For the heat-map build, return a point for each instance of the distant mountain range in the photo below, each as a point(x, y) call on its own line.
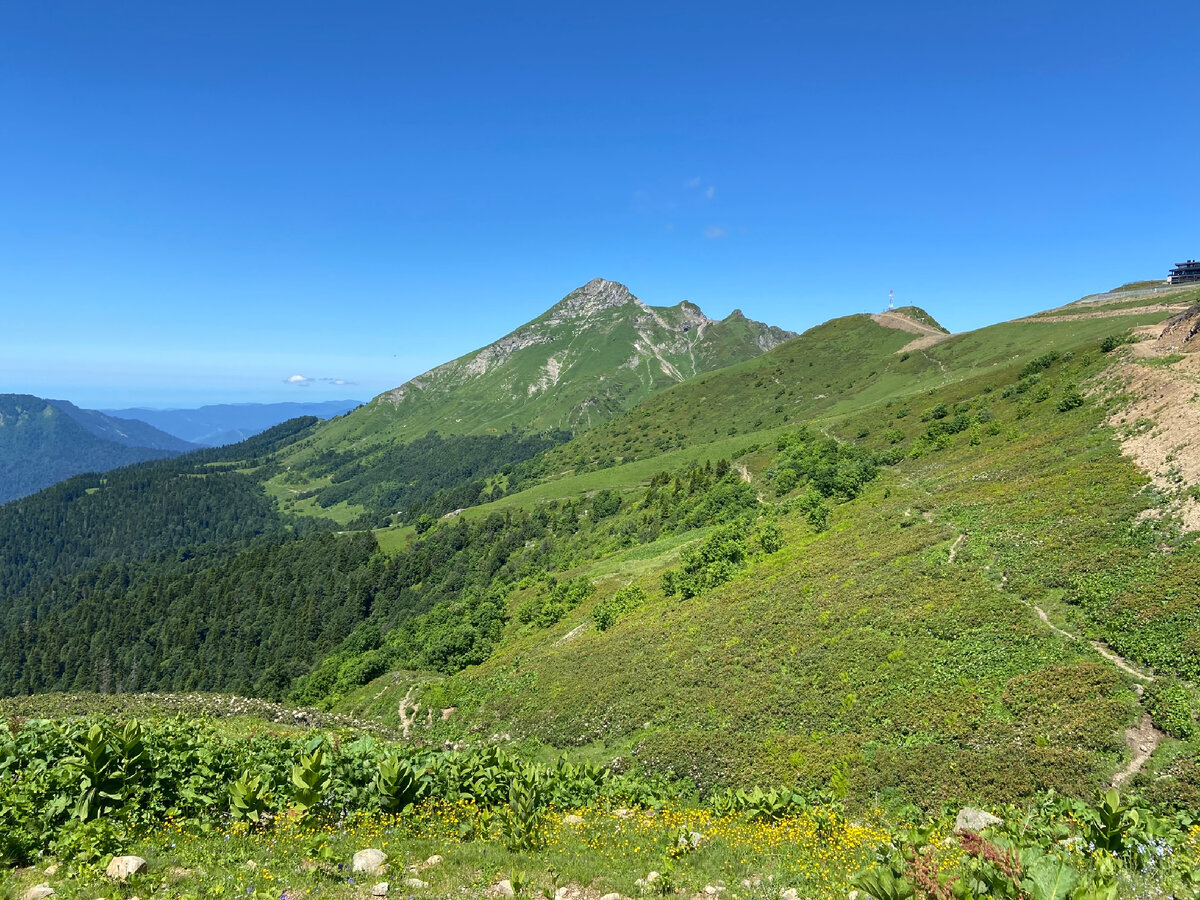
point(228, 423)
point(45, 441)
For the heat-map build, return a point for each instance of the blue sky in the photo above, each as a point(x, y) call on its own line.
point(199, 201)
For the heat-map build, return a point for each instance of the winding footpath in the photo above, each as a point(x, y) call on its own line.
point(1141, 739)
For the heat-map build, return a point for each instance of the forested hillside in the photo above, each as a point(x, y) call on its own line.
point(45, 441)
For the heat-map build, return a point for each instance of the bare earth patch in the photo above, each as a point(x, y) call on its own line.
point(1160, 427)
point(928, 334)
point(1142, 740)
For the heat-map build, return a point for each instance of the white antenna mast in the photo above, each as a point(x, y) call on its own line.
point(891, 300)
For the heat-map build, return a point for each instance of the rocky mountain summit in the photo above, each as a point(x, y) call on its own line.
point(597, 352)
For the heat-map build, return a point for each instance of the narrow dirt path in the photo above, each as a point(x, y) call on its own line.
point(1142, 740)
point(958, 542)
point(1119, 661)
point(1109, 313)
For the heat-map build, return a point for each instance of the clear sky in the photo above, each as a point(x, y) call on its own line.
point(200, 200)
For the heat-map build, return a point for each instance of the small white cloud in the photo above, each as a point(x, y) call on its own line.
point(709, 192)
point(297, 379)
point(714, 232)
point(692, 182)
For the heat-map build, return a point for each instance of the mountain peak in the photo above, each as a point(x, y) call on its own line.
point(595, 296)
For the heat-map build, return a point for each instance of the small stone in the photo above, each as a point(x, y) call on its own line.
point(853, 895)
point(121, 867)
point(52, 869)
point(572, 819)
point(752, 882)
point(415, 883)
point(38, 892)
point(613, 896)
point(433, 861)
point(562, 893)
point(971, 819)
point(381, 889)
point(711, 890)
point(505, 889)
point(370, 861)
point(789, 894)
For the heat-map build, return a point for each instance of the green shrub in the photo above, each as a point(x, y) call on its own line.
point(623, 601)
point(1171, 706)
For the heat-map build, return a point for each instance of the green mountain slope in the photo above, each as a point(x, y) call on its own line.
point(45, 441)
point(597, 352)
point(853, 590)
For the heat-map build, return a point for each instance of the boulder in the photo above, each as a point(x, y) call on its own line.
point(370, 861)
point(505, 889)
point(121, 867)
point(38, 892)
point(971, 819)
point(381, 889)
point(433, 861)
point(789, 894)
point(613, 896)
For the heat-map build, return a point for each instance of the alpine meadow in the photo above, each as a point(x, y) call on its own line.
point(637, 602)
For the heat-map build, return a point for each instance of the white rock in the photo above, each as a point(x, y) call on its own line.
point(38, 892)
point(121, 867)
point(572, 819)
point(622, 813)
point(380, 890)
point(711, 890)
point(433, 861)
point(613, 896)
point(505, 889)
point(416, 884)
point(971, 819)
point(562, 893)
point(853, 895)
point(789, 894)
point(52, 869)
point(752, 882)
point(370, 861)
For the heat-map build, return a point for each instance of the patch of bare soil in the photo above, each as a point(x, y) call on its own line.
point(1160, 427)
point(928, 334)
point(1142, 740)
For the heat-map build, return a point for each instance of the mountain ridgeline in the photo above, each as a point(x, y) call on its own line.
point(597, 352)
point(44, 441)
point(875, 554)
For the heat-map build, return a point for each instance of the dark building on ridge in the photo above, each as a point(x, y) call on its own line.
point(1185, 272)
